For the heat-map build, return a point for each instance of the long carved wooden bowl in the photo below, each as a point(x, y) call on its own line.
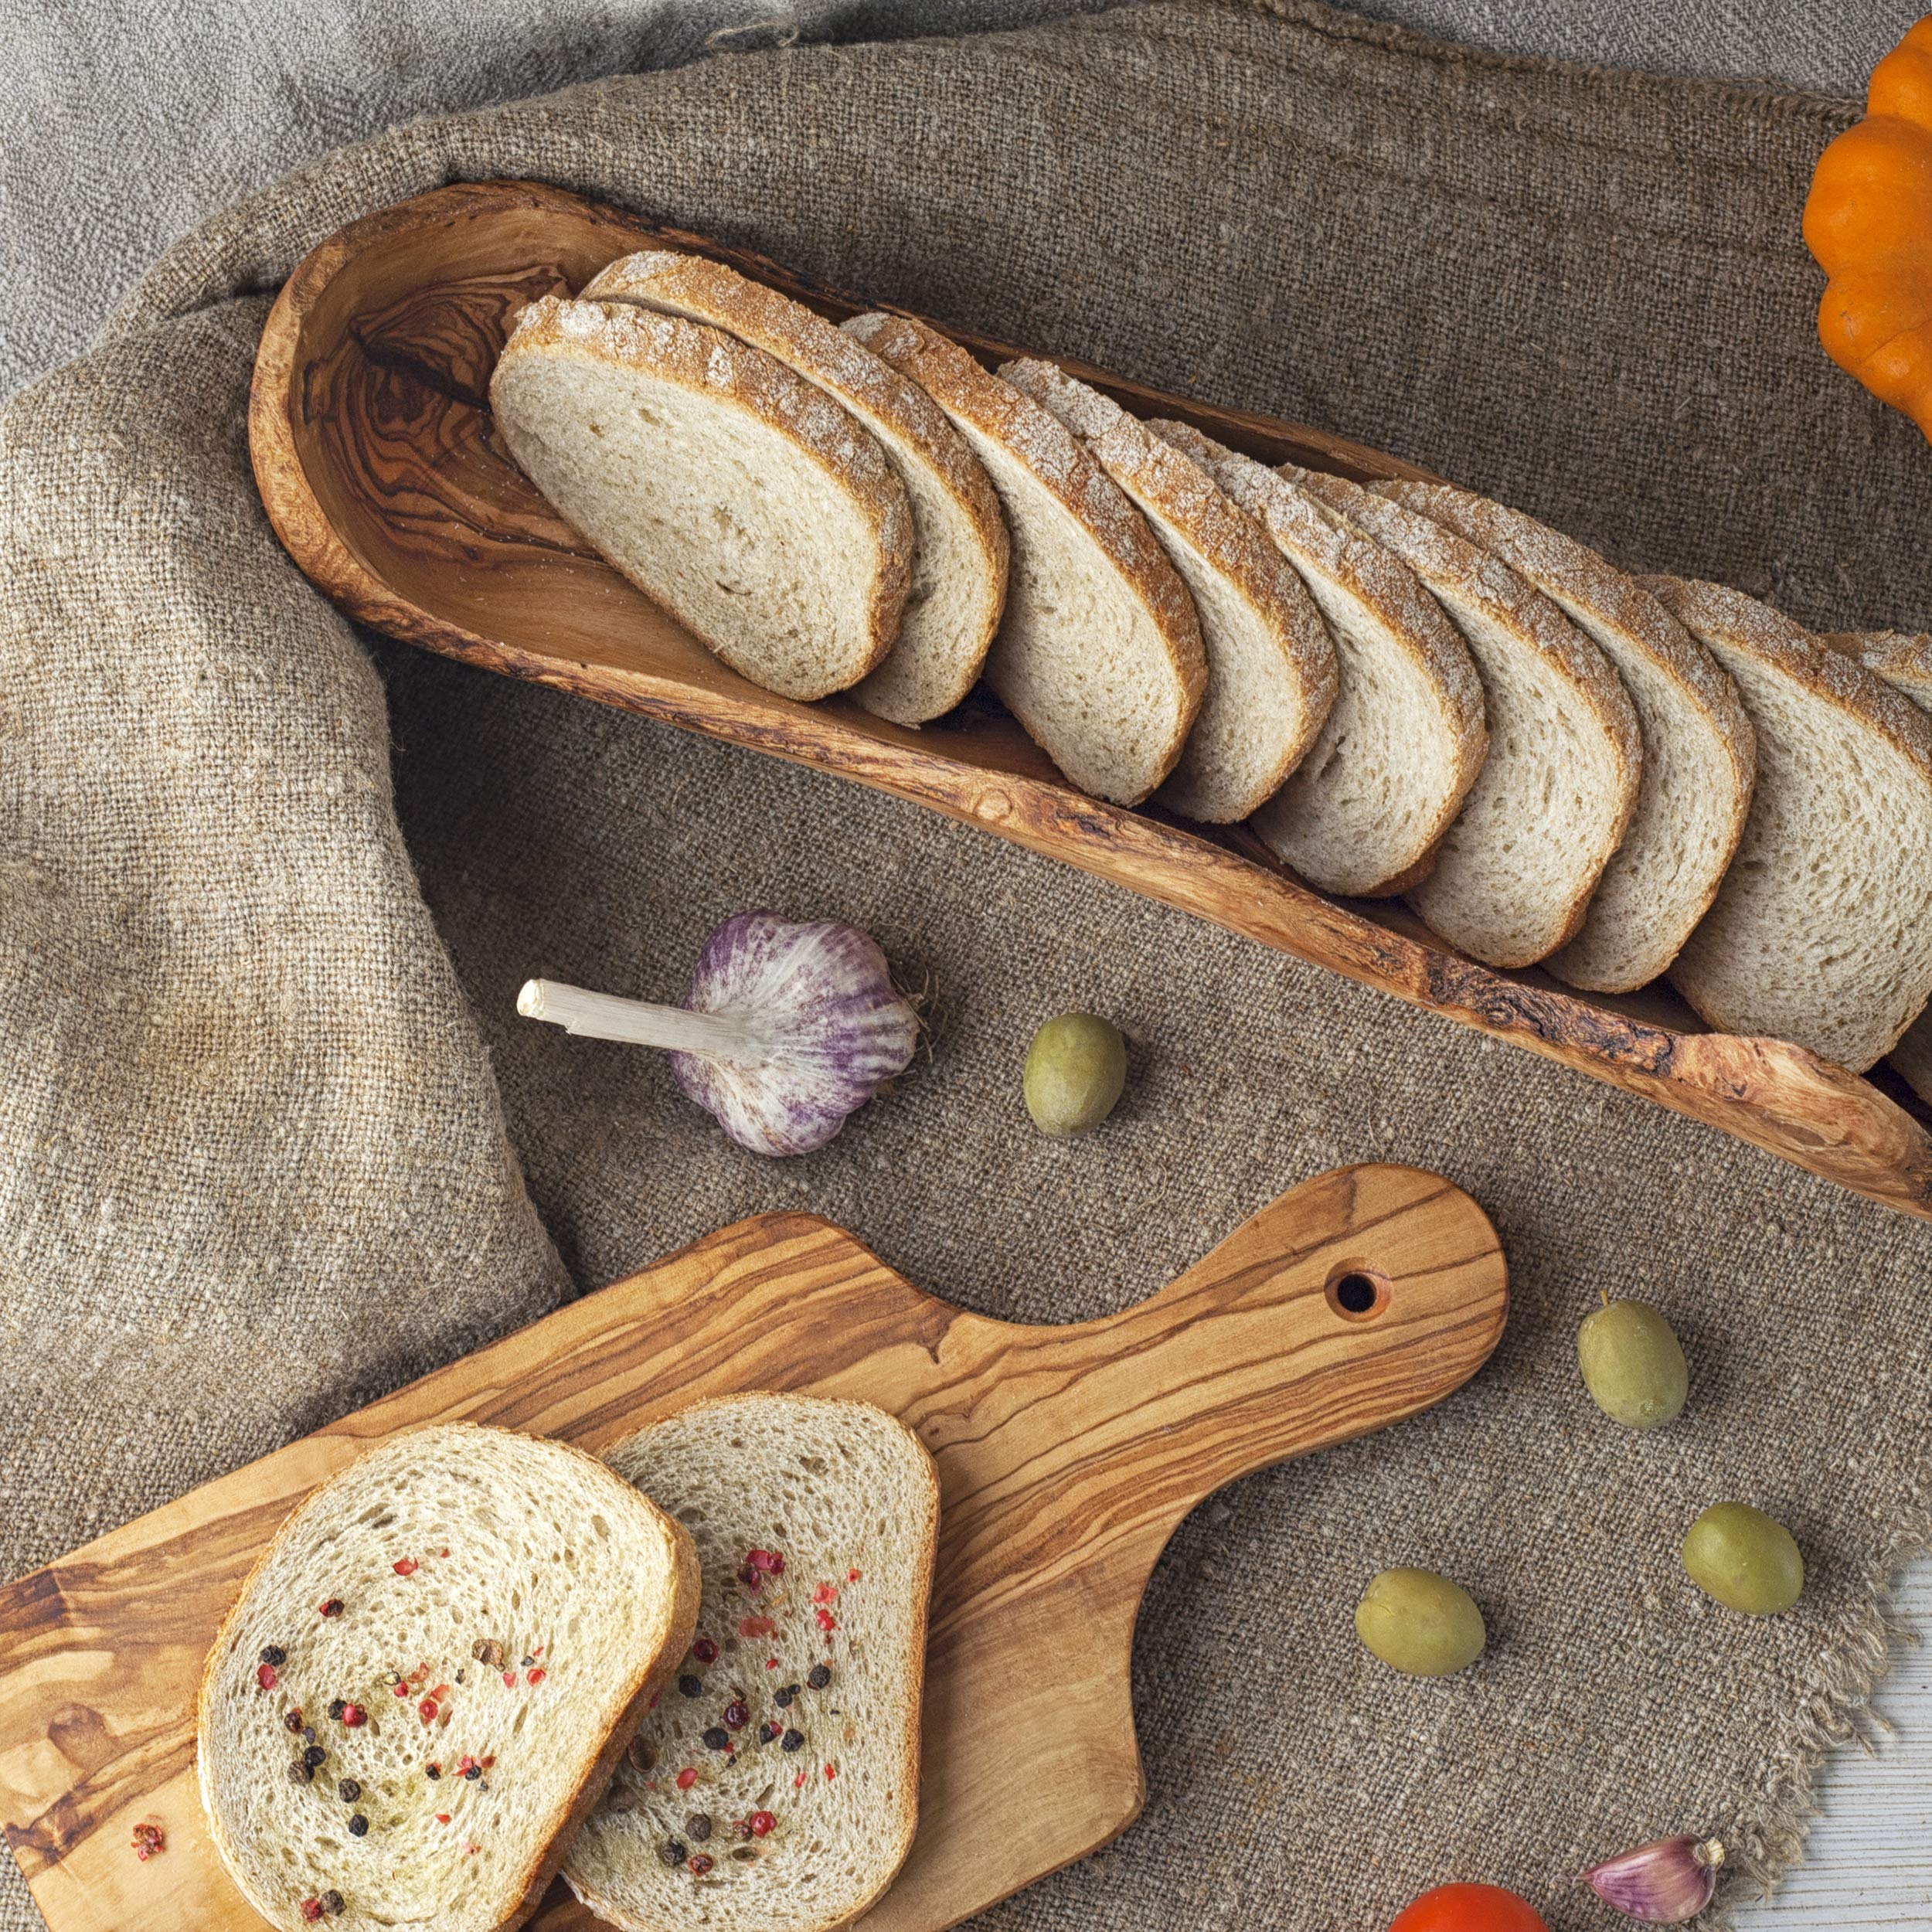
point(382, 473)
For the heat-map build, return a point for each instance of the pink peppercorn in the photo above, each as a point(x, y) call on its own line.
point(535, 1676)
point(762, 1822)
point(311, 1909)
point(427, 1710)
point(406, 1566)
point(768, 1561)
point(354, 1714)
point(265, 1675)
point(686, 1778)
point(509, 1680)
point(705, 1651)
point(699, 1865)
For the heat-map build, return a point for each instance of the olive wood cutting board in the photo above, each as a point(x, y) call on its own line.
point(1066, 1457)
point(382, 473)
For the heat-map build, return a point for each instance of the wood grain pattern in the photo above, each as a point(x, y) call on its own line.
point(1066, 1457)
point(383, 476)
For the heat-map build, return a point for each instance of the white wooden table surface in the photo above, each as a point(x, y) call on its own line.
point(1868, 1862)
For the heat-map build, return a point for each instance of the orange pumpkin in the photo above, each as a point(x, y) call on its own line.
point(1868, 219)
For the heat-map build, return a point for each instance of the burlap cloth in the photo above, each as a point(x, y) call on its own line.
point(254, 1114)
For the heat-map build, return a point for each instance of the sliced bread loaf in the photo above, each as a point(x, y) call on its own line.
point(1271, 669)
point(1821, 931)
point(1904, 661)
point(959, 555)
point(774, 1787)
point(1695, 786)
point(731, 491)
point(1514, 874)
point(1099, 653)
point(428, 1677)
point(1366, 809)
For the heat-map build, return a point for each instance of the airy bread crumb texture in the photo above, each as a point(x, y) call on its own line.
point(1821, 931)
point(774, 1786)
point(1099, 653)
point(1514, 874)
point(1271, 667)
point(361, 1764)
point(960, 552)
point(1403, 741)
point(1699, 753)
point(732, 492)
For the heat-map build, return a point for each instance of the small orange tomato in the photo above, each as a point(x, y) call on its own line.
point(1468, 1908)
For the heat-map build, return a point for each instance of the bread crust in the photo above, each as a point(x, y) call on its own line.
point(1055, 459)
point(681, 1622)
point(1562, 568)
point(1438, 554)
point(711, 363)
point(1832, 676)
point(1902, 658)
point(1385, 586)
point(1157, 473)
point(708, 292)
point(905, 1813)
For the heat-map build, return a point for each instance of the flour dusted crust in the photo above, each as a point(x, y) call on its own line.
point(816, 1521)
point(381, 1576)
point(1054, 460)
point(1902, 658)
point(1492, 593)
point(1386, 624)
point(1664, 875)
point(1261, 717)
point(886, 403)
point(1874, 970)
point(718, 367)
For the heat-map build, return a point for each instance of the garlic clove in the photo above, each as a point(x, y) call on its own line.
point(819, 1000)
point(1663, 1883)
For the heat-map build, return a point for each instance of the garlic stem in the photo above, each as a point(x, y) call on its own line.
point(606, 1016)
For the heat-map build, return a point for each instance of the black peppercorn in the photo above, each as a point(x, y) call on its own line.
point(336, 1707)
point(784, 1697)
point(642, 1755)
point(333, 1607)
point(434, 1771)
point(473, 1773)
point(292, 1721)
point(791, 1740)
point(274, 1656)
point(348, 1791)
point(313, 1756)
point(737, 1714)
point(699, 1825)
point(671, 1852)
point(718, 1738)
point(359, 1826)
point(767, 1731)
point(690, 1686)
point(332, 1903)
point(819, 1676)
point(299, 1773)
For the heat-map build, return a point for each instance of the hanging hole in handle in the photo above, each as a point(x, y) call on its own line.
point(1358, 1294)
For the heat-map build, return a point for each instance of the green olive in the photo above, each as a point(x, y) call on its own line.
point(1075, 1069)
point(1744, 1559)
point(1420, 1624)
point(1633, 1365)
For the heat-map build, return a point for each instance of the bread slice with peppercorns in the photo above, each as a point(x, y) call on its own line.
point(429, 1676)
point(774, 1787)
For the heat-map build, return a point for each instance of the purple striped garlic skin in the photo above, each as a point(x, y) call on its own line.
point(825, 1027)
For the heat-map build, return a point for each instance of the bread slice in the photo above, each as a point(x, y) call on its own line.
point(1696, 787)
point(745, 502)
point(1271, 668)
point(775, 1788)
point(1514, 875)
point(450, 1642)
point(1904, 661)
point(1098, 652)
point(1822, 932)
point(1366, 809)
point(959, 555)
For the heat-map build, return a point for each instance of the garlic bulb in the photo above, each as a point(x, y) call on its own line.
point(786, 1029)
point(1665, 1883)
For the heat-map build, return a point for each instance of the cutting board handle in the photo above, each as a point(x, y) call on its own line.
point(1352, 1301)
